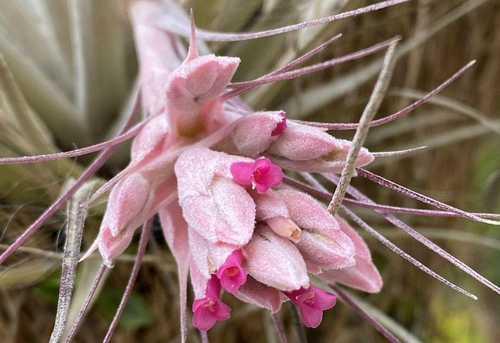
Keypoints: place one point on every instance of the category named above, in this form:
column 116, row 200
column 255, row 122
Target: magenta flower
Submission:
column 312, row 302
column 210, row 310
column 260, row 175
column 231, row 274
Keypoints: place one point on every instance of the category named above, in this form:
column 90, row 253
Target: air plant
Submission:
column 222, row 178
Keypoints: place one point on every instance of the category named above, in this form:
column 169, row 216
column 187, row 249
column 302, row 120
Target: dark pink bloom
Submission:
column 311, row 303
column 260, row 175
column 209, row 310
column 231, row 274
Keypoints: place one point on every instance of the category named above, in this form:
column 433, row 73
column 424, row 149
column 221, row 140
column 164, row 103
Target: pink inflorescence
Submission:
column 213, row 172
column 212, row 169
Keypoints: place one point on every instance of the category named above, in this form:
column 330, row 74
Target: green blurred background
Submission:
column 68, row 65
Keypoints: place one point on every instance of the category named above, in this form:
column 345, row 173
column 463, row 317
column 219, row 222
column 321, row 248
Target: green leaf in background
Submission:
column 137, row 314
column 486, row 166
column 47, row 289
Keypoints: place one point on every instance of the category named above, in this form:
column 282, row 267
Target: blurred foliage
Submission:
column 136, row 316
column 66, row 75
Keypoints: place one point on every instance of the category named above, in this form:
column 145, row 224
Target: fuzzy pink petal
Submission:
column 301, row 142
column 270, row 205
column 192, row 87
column 201, row 75
column 253, row 292
column 111, row 246
column 195, row 169
column 364, row 275
column 202, row 215
column 127, row 199
column 317, row 165
column 237, row 208
column 199, row 281
column 150, row 138
column 324, row 252
column 275, row 261
column 254, row 133
column 225, row 69
column 203, row 79
column 223, row 217
column 199, row 248
column 175, row 231
column 332, row 162
column 180, row 100
column 308, row 213
column 216, row 207
column 364, row 156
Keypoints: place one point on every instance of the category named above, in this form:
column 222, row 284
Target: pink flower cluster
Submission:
column 215, row 177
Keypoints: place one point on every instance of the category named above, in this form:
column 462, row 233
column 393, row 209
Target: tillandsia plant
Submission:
column 224, row 180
